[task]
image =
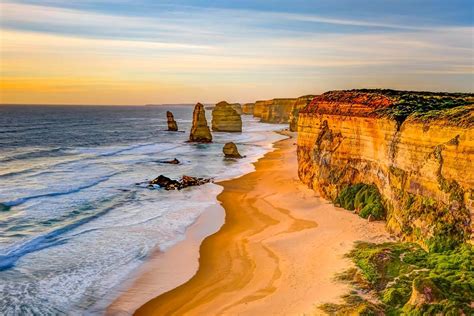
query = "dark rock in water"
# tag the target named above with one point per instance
(172, 162)
(172, 125)
(188, 181)
(200, 132)
(166, 182)
(4, 208)
(185, 181)
(230, 151)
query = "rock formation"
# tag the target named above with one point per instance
(419, 159)
(300, 104)
(170, 184)
(247, 108)
(171, 162)
(274, 111)
(237, 107)
(230, 151)
(172, 126)
(225, 118)
(200, 132)
(277, 111)
(260, 106)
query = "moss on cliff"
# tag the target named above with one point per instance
(405, 279)
(364, 198)
(422, 104)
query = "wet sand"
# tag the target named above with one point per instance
(277, 252)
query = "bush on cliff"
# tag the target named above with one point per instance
(406, 279)
(363, 197)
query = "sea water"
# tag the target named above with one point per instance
(76, 216)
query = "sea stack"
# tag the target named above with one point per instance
(225, 118)
(172, 126)
(230, 151)
(200, 132)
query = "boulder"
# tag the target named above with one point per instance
(200, 132)
(225, 118)
(230, 151)
(184, 182)
(165, 182)
(172, 126)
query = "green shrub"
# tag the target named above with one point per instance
(364, 197)
(392, 270)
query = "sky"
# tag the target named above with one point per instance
(183, 51)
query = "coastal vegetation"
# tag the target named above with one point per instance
(407, 103)
(364, 198)
(402, 278)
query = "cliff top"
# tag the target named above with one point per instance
(398, 105)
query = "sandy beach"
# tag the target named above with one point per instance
(277, 252)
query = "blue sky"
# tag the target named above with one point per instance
(134, 52)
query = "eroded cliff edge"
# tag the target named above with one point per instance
(417, 148)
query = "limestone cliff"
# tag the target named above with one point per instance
(200, 130)
(247, 108)
(300, 104)
(225, 118)
(278, 111)
(260, 106)
(416, 148)
(237, 107)
(274, 111)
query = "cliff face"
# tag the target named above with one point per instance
(260, 106)
(300, 103)
(277, 111)
(225, 118)
(420, 160)
(237, 107)
(247, 108)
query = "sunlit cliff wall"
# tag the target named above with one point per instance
(421, 159)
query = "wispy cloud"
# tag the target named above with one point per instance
(214, 52)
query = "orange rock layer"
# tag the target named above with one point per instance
(424, 168)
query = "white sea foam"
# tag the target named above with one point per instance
(79, 224)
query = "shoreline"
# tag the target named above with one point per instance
(165, 270)
(249, 266)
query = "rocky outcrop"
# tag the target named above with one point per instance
(237, 108)
(300, 104)
(170, 184)
(200, 130)
(247, 108)
(170, 162)
(225, 118)
(172, 125)
(230, 151)
(418, 158)
(277, 111)
(260, 106)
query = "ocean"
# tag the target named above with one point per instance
(76, 216)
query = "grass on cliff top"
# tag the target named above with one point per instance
(407, 103)
(364, 198)
(402, 278)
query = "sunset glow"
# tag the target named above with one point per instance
(143, 52)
